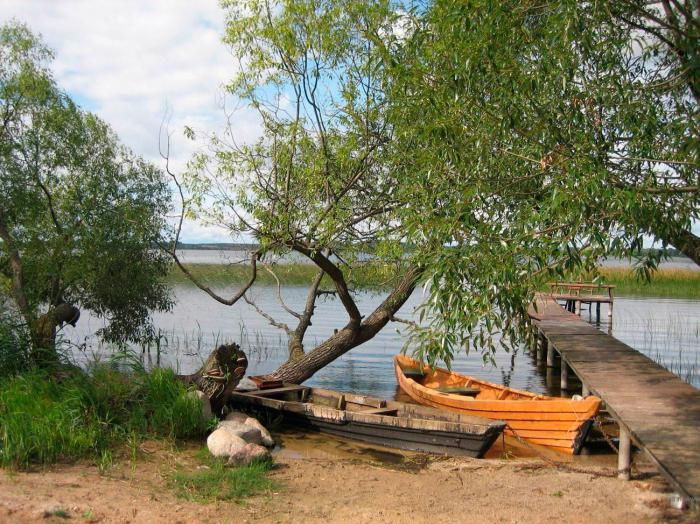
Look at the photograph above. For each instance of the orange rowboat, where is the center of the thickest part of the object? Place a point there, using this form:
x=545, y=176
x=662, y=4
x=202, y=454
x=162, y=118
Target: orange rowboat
x=558, y=423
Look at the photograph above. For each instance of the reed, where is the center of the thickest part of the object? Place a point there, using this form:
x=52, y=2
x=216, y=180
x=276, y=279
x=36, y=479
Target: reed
x=363, y=276
x=665, y=282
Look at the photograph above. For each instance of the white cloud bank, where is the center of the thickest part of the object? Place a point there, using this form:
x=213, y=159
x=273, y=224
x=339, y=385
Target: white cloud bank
x=126, y=60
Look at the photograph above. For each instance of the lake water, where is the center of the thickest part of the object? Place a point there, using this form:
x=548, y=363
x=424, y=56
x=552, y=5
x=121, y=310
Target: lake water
x=666, y=330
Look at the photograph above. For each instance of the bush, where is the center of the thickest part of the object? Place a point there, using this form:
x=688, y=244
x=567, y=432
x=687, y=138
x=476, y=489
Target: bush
x=44, y=419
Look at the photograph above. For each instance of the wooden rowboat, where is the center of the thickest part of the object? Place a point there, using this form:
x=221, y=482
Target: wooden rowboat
x=394, y=424
x=558, y=423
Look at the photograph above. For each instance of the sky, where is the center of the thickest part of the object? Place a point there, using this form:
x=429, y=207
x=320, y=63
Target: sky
x=133, y=61
x=129, y=60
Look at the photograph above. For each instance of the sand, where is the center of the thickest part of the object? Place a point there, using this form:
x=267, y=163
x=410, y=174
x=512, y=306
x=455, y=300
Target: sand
x=329, y=480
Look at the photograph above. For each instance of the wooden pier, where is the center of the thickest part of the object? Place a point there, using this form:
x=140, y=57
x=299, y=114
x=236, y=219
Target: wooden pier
x=654, y=408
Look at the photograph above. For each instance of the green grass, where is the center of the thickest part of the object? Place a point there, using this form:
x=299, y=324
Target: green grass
x=215, y=481
x=367, y=276
x=669, y=283
x=46, y=419
x=664, y=283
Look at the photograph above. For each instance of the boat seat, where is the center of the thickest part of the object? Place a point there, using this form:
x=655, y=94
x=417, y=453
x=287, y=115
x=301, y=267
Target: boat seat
x=459, y=390
x=414, y=373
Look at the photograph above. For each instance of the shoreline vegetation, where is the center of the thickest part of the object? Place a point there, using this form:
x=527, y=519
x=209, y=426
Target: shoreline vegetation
x=664, y=283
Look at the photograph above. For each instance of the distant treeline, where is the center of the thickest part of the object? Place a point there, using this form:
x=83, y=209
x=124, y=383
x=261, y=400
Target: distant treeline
x=222, y=246
x=233, y=246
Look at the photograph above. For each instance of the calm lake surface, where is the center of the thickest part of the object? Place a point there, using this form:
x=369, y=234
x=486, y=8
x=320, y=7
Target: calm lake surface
x=667, y=330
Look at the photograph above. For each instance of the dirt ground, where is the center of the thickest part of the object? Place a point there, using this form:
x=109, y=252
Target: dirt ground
x=329, y=480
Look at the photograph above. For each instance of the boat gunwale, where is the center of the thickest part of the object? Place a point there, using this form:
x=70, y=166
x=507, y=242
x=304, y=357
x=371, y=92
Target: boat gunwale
x=535, y=404
x=482, y=426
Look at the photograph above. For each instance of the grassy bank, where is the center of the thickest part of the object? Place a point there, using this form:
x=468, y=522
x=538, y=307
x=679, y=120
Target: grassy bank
x=671, y=283
x=61, y=417
x=668, y=283
x=371, y=276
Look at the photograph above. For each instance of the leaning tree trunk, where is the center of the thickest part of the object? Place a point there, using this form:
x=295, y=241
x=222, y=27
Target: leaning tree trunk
x=219, y=375
x=302, y=368
x=687, y=243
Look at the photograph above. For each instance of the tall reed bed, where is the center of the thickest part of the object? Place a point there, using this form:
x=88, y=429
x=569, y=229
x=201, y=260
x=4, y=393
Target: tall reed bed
x=665, y=282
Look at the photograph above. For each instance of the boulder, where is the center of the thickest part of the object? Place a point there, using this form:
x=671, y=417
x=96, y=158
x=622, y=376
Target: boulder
x=243, y=418
x=248, y=453
x=224, y=444
x=248, y=433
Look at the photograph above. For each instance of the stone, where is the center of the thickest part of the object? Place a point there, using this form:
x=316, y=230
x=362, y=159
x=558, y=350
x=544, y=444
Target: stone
x=246, y=385
x=244, y=418
x=247, y=454
x=248, y=433
x=224, y=444
x=206, y=404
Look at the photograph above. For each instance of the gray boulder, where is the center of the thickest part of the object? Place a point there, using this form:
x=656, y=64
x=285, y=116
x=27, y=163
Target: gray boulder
x=224, y=444
x=243, y=418
x=248, y=453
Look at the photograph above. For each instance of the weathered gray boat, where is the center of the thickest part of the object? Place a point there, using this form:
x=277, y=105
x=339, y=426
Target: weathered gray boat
x=389, y=423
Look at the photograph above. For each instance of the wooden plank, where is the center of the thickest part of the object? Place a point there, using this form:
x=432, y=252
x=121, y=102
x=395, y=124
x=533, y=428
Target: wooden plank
x=275, y=391
x=660, y=411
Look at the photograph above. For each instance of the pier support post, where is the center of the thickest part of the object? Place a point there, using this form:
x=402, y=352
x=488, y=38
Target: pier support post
x=597, y=312
x=577, y=307
x=550, y=356
x=564, y=375
x=610, y=309
x=624, y=455
x=584, y=390
x=541, y=348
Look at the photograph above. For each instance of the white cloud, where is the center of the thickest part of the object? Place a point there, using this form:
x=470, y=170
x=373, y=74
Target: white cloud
x=126, y=60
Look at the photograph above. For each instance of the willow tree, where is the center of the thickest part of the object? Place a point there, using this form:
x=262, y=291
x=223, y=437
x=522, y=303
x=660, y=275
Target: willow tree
x=319, y=181
x=537, y=137
x=79, y=213
x=479, y=146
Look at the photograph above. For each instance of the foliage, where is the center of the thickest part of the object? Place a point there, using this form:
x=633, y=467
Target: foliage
x=479, y=145
x=44, y=419
x=217, y=481
x=536, y=137
x=80, y=213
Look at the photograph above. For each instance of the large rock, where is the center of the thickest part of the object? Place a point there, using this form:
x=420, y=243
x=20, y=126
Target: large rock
x=248, y=453
x=245, y=419
x=246, y=432
x=224, y=444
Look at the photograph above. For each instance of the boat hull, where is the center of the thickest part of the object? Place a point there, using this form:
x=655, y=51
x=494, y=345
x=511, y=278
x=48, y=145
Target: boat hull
x=413, y=428
x=557, y=423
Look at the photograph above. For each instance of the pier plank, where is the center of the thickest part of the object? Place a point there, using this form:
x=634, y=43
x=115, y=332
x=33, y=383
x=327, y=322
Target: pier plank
x=660, y=411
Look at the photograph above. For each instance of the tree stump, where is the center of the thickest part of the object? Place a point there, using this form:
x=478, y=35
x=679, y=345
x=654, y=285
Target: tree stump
x=219, y=375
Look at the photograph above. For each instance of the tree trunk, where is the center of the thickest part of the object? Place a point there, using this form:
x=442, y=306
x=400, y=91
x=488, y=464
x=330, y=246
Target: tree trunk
x=687, y=243
x=219, y=375
x=302, y=368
